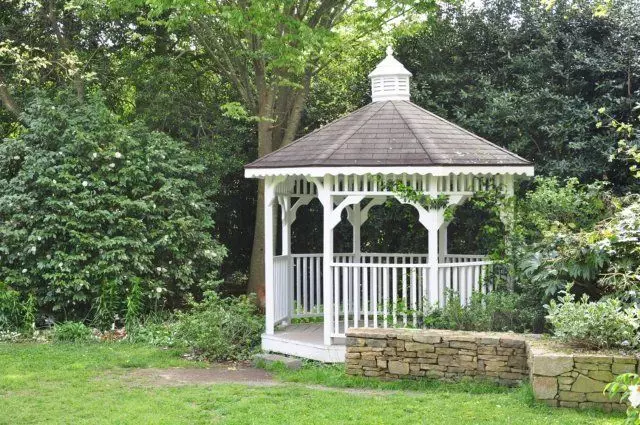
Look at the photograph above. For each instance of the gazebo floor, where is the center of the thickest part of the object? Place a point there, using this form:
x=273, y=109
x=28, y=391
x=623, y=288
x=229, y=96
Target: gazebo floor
x=304, y=340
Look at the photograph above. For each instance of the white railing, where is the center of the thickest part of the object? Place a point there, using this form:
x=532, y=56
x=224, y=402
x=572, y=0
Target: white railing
x=372, y=289
x=463, y=278
x=307, y=288
x=377, y=295
x=463, y=258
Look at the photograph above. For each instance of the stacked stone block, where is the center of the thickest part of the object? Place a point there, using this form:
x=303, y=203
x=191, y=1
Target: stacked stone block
x=403, y=353
x=576, y=380
x=558, y=379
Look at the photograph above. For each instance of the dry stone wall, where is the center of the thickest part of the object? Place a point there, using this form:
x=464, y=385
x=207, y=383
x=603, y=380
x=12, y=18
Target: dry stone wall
x=576, y=380
x=402, y=353
x=558, y=379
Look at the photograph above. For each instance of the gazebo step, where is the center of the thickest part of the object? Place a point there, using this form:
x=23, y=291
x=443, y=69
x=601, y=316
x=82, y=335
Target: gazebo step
x=291, y=363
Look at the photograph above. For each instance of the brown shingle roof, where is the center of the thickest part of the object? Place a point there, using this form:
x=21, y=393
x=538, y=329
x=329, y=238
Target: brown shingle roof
x=391, y=133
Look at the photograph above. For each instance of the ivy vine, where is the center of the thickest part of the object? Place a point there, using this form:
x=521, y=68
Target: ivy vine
x=408, y=194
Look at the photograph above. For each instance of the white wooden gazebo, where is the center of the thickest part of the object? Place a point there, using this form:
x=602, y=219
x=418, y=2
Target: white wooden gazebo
x=345, y=165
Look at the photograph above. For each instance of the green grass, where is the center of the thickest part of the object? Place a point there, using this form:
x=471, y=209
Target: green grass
x=81, y=384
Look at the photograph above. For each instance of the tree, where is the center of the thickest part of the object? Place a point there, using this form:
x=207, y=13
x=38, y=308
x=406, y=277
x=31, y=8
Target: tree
x=532, y=78
x=271, y=51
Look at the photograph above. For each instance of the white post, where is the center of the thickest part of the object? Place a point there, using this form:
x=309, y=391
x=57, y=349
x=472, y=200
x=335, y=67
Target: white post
x=433, y=259
x=286, y=220
x=442, y=241
x=286, y=224
x=269, y=196
x=356, y=223
x=507, y=218
x=327, y=249
x=432, y=229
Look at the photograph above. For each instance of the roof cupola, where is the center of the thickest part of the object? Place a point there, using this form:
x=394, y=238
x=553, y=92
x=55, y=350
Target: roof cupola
x=389, y=80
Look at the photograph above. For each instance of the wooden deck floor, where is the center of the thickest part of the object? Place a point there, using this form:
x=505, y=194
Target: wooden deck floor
x=304, y=340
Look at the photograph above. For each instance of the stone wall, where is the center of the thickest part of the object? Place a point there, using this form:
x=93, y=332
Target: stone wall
x=408, y=353
x=576, y=380
x=558, y=379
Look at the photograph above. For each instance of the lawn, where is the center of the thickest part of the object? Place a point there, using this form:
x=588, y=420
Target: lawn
x=75, y=384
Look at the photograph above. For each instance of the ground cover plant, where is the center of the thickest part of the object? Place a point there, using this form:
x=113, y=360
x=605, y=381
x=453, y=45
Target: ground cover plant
x=96, y=384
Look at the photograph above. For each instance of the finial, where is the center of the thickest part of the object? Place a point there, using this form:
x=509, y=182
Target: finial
x=389, y=51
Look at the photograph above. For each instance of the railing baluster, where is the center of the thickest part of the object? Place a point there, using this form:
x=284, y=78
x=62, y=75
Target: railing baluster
x=336, y=299
x=345, y=296
x=365, y=300
x=425, y=302
x=385, y=294
x=312, y=284
x=298, y=285
x=414, y=296
x=305, y=284
x=469, y=284
x=395, y=295
x=319, y=289
x=356, y=296
x=374, y=297
x=405, y=301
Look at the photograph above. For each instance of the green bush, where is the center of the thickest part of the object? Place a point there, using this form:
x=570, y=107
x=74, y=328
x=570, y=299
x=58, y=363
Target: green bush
x=101, y=219
x=161, y=333
x=495, y=311
x=16, y=315
x=221, y=328
x=10, y=309
x=71, y=332
x=601, y=324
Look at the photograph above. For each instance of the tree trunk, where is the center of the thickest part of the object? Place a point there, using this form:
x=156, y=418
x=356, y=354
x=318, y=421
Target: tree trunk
x=270, y=138
x=256, y=268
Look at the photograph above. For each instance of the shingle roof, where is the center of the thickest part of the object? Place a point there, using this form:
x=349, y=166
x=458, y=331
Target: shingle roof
x=391, y=133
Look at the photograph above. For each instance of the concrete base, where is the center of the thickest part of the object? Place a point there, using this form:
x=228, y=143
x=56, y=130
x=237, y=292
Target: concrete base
x=304, y=349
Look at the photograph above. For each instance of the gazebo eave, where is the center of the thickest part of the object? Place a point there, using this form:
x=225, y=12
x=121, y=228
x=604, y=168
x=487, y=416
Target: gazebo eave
x=435, y=170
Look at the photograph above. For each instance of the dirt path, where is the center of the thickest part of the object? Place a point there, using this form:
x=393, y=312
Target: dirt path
x=243, y=374
x=217, y=374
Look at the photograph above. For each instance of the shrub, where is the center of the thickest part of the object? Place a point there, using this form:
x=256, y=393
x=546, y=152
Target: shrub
x=221, y=328
x=601, y=324
x=10, y=309
x=101, y=219
x=161, y=333
x=16, y=315
x=71, y=332
x=495, y=311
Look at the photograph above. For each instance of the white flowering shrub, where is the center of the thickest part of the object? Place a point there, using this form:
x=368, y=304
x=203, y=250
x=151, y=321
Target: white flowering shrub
x=99, y=218
x=627, y=387
x=602, y=324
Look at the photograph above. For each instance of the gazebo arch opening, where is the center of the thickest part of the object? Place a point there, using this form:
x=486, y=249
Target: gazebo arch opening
x=394, y=227
x=350, y=167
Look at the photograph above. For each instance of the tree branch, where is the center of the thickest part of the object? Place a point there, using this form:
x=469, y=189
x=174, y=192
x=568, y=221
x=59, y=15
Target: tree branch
x=7, y=99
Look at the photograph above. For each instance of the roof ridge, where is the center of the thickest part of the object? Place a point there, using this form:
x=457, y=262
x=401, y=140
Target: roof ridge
x=418, y=138
x=296, y=141
x=347, y=134
x=505, y=150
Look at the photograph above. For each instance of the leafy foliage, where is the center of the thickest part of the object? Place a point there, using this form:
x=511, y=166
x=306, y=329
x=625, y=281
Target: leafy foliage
x=11, y=309
x=532, y=79
x=602, y=324
x=495, y=311
x=92, y=209
x=626, y=387
x=71, y=332
x=221, y=328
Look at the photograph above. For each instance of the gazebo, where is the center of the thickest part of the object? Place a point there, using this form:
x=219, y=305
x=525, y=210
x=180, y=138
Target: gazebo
x=312, y=298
